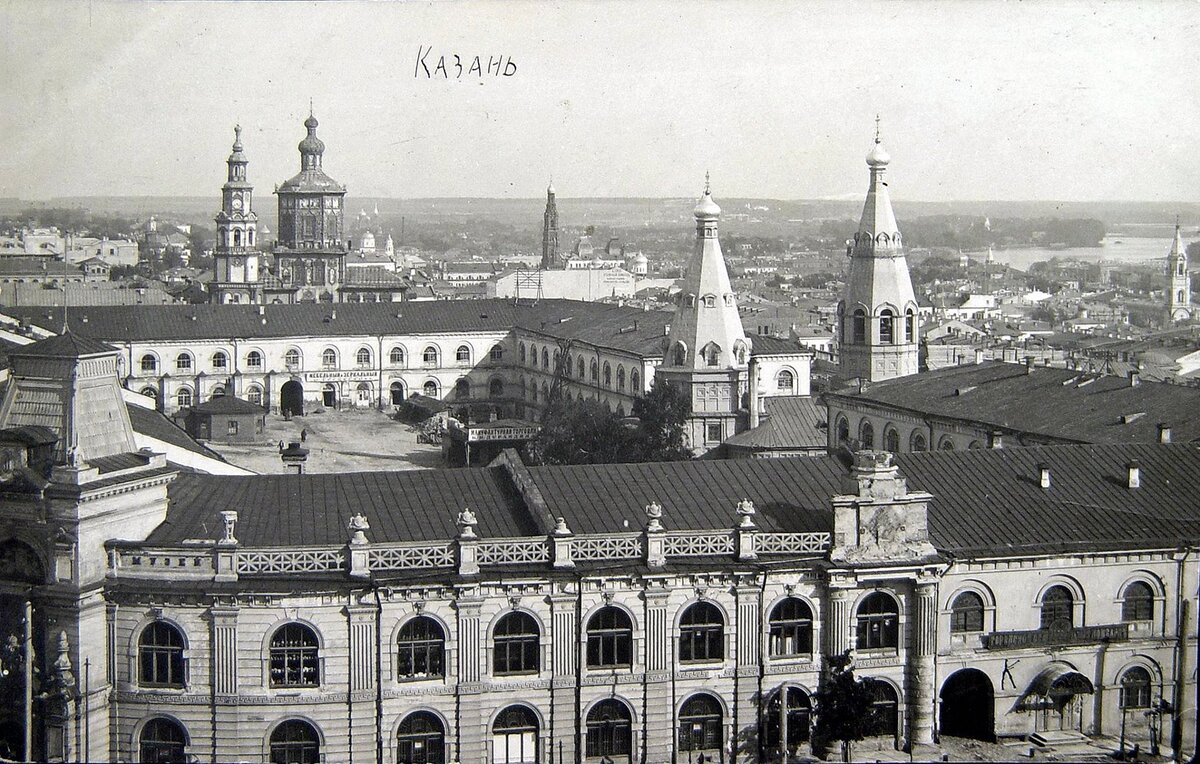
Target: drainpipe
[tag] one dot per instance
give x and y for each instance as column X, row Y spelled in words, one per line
column 754, row 412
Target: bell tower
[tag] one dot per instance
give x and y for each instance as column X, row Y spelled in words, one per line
column 1179, row 281
column 708, row 353
column 550, row 259
column 235, row 278
column 877, row 318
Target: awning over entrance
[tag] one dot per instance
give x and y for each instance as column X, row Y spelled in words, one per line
column 1053, row 687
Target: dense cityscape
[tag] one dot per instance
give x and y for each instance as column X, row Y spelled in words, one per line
column 497, row 470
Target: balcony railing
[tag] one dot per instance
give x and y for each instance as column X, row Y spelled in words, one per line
column 1056, row 637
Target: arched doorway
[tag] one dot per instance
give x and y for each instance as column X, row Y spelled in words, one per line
column 968, row 706
column 397, row 390
column 291, row 398
column 329, row 395
column 787, row 723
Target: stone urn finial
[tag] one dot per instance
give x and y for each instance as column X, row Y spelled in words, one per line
column 560, row 527
column 229, row 517
column 746, row 510
column 466, row 524
column 654, row 513
column 358, row 526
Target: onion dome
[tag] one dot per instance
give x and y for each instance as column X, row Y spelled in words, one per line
column 311, row 143
column 706, row 208
column 878, row 156
column 237, row 155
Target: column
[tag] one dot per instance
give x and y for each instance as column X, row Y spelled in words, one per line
column 471, row 732
column 564, row 653
column 749, row 630
column 658, row 714
column 837, row 630
column 922, row 651
column 224, row 661
column 361, row 681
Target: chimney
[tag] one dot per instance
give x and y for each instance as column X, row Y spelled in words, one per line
column 1044, row 475
column 1135, row 474
column 1164, row 432
column 996, row 439
column 1134, row 378
column 754, row 404
column 978, row 356
column 262, row 310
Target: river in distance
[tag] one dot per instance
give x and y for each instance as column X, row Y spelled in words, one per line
column 1119, row 248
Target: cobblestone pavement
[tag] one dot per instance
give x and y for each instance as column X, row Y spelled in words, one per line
column 338, row 441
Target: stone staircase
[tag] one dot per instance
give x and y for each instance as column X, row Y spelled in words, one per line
column 1058, row 738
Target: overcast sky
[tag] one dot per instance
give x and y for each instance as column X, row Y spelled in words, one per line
column 979, row 100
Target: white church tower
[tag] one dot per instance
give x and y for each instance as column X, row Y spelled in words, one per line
column 707, row 351
column 1179, row 281
column 877, row 319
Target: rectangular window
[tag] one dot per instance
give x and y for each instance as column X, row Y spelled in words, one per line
column 232, row 429
column 713, row 432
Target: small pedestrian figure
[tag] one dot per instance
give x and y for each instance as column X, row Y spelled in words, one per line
column 281, row 446
column 303, row 434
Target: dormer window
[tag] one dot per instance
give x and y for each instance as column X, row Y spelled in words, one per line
column 710, row 301
column 712, row 355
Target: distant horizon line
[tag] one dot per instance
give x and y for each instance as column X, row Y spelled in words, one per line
column 839, row 199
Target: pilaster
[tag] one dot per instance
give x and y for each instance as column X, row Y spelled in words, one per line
column 921, row 663
column 470, row 716
column 223, row 622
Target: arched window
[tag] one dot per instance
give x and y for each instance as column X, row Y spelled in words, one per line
column 430, row 356
column 497, row 353
column 496, row 388
column 254, row 360
column 545, row 359
column 710, row 301
column 1137, row 604
column 791, row 629
column 843, row 431
column 514, row 736
column 557, row 360
column 712, row 355
column 966, row 613
column 516, row 645
column 546, row 392
column 329, row 358
column 702, row 634
column 891, row 439
column 878, row 623
column 254, row 394
column 582, row 370
column 291, row 359
column 462, row 388
column 521, row 351
column 609, row 639
column 680, row 354
column 463, row 354
column 220, row 361
column 635, row 383
column 160, row 656
column 163, row 741
column 149, row 364
column 295, row 659
column 217, row 392
column 739, row 352
column 866, row 435
column 421, row 739
column 785, row 382
column 430, row 389
column 884, row 708
column 421, row 646
column 396, row 357
column 910, row 325
column 1135, row 688
column 885, row 326
column 363, row 357
column 607, row 375
column 1058, row 608
column 609, row 729
column 620, row 378
column 700, row 722
column 789, row 715
column 946, row 445
column 183, row 398
column 295, row 742
column 859, row 326
column 917, row 443
column 183, row 363
column 150, row 393
column 595, row 371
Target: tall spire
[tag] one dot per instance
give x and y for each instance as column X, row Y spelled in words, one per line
column 1179, row 279
column 706, row 331
column 550, row 259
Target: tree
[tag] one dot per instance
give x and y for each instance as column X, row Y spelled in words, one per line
column 661, row 415
column 586, row 432
column 843, row 705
